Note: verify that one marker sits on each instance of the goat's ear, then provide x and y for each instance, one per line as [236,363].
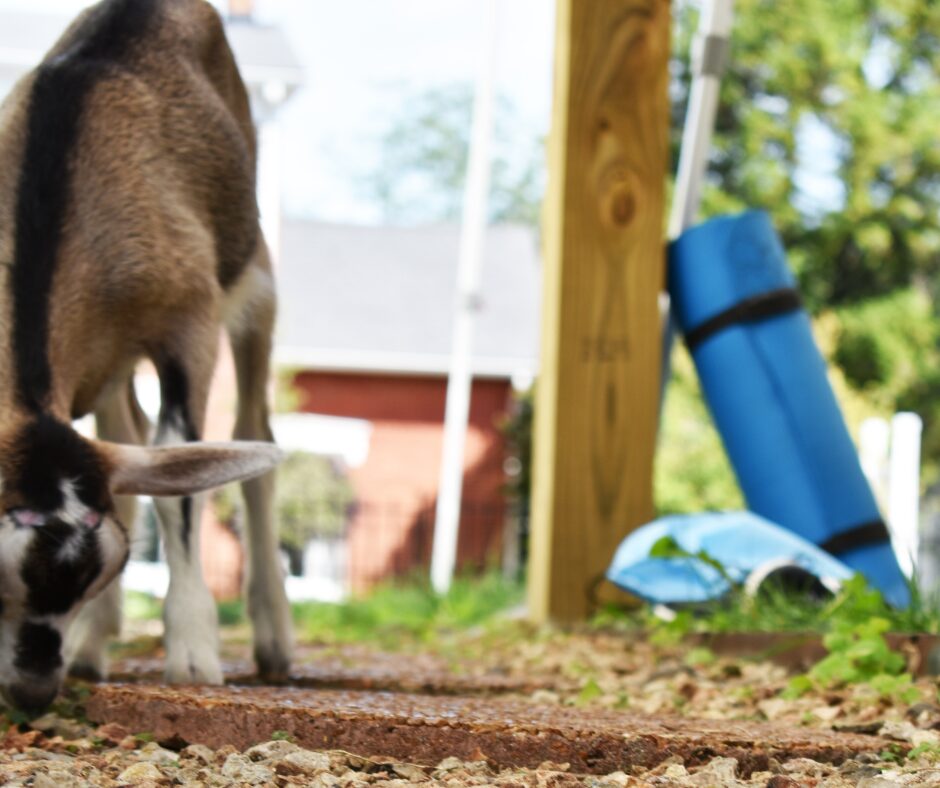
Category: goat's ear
[187,468]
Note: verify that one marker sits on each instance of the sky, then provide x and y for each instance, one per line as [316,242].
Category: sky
[363,59]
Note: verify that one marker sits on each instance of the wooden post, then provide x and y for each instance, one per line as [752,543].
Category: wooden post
[598,388]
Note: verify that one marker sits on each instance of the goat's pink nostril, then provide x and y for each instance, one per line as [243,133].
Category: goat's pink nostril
[92,519]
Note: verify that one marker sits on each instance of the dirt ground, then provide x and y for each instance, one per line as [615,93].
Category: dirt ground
[587,670]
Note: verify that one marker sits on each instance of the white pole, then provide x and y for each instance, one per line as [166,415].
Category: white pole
[472,231]
[874,438]
[904,488]
[709,56]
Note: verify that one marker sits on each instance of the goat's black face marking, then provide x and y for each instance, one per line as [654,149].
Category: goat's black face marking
[62,562]
[52,453]
[58,96]
[38,649]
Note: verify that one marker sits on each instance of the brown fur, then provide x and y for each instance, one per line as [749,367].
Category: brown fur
[165,154]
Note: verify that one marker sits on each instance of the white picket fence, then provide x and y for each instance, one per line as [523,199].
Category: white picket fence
[890,456]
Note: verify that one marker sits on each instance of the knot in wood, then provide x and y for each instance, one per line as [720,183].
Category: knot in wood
[618,196]
[622,207]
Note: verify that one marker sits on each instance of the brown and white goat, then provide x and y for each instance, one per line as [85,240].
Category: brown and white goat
[128,230]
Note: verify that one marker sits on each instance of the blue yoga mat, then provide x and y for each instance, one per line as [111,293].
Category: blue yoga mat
[766,386]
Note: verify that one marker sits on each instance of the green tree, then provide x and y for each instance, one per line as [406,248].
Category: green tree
[423,161]
[313,498]
[851,84]
[828,120]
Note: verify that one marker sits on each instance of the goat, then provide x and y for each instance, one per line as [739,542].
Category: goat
[128,231]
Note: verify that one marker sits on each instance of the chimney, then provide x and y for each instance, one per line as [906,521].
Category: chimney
[241,9]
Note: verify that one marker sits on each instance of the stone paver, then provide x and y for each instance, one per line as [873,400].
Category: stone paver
[425,729]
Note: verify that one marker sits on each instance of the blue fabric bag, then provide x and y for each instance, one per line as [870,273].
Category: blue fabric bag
[742,542]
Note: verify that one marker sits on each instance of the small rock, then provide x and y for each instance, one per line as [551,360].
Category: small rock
[271,749]
[718,771]
[807,766]
[856,769]
[449,764]
[208,776]
[618,779]
[45,781]
[128,743]
[884,781]
[302,762]
[111,732]
[546,696]
[36,754]
[675,771]
[197,752]
[53,725]
[242,769]
[826,713]
[782,781]
[410,772]
[223,753]
[772,708]
[660,768]
[924,715]
[904,731]
[140,772]
[154,753]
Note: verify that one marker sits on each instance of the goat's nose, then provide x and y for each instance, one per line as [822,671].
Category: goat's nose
[33,698]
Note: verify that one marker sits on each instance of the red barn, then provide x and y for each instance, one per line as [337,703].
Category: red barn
[364,330]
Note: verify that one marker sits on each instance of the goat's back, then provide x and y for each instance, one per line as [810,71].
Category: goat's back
[127,190]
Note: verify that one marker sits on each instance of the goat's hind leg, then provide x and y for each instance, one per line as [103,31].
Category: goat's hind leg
[121,420]
[250,333]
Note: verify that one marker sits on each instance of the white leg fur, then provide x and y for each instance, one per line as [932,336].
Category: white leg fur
[190,618]
[250,334]
[86,644]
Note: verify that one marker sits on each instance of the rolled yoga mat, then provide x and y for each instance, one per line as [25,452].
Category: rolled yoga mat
[766,386]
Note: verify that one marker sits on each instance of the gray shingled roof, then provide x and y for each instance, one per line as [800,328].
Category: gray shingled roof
[382,299]
[263,52]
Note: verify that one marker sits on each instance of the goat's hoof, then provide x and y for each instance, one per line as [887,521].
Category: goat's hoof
[87,672]
[191,666]
[273,667]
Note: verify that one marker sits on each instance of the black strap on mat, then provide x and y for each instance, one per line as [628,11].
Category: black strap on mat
[875,532]
[759,307]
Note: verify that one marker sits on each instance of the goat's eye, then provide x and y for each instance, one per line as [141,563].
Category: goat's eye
[28,518]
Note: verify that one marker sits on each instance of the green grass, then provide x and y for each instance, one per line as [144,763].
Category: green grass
[408,609]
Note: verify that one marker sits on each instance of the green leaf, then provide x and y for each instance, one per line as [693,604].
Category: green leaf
[590,691]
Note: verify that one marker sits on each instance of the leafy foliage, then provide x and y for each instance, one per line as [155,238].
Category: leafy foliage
[692,472]
[859,654]
[777,610]
[313,498]
[424,154]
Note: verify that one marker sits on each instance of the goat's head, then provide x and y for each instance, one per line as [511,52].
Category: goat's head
[61,542]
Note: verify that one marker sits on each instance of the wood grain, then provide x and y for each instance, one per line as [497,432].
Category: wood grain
[598,389]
